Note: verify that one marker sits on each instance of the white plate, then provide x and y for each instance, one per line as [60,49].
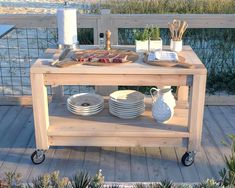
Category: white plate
[126,105]
[85,100]
[79,108]
[85,113]
[126,113]
[124,117]
[135,110]
[127,96]
[84,110]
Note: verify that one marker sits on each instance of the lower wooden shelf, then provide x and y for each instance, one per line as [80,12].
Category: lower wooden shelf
[104,129]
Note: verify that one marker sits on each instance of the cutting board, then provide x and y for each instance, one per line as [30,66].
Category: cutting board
[73,55]
[164,63]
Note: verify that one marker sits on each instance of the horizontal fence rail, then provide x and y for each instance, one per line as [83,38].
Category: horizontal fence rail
[101,22]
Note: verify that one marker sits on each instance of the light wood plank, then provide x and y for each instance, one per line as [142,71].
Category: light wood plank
[75,162]
[216,132]
[170,164]
[213,154]
[183,93]
[92,160]
[154,163]
[139,171]
[25,166]
[40,110]
[15,141]
[107,163]
[220,100]
[196,111]
[203,166]
[123,20]
[229,115]
[122,165]
[116,79]
[116,141]
[222,122]
[59,161]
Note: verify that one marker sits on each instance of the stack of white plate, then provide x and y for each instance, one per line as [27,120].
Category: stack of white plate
[126,104]
[85,104]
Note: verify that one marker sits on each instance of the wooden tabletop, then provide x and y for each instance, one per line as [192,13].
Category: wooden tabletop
[42,65]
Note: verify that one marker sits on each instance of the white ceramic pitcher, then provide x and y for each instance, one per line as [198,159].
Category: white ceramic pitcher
[163,104]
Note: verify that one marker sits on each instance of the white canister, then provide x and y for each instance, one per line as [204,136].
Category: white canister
[67,26]
[176,46]
[155,45]
[141,46]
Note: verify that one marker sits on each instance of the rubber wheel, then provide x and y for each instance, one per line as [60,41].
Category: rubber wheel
[187,160]
[37,160]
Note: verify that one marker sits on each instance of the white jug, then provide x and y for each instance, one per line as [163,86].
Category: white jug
[163,104]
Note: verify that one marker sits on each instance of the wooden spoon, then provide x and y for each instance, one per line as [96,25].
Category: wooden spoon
[182,29]
[171,27]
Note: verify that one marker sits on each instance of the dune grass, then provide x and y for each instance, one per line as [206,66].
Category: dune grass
[169,6]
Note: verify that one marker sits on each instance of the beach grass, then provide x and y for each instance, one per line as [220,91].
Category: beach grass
[169,6]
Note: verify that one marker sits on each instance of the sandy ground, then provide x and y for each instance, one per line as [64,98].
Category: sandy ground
[40,6]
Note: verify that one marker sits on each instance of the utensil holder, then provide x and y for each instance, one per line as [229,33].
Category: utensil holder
[176,46]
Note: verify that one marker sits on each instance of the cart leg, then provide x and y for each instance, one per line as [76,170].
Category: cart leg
[38,156]
[188,158]
[182,93]
[197,98]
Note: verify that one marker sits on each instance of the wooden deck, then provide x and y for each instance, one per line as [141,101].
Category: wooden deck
[118,164]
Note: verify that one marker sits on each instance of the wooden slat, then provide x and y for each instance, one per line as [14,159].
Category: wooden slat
[196,111]
[220,100]
[92,160]
[64,123]
[154,162]
[40,106]
[170,164]
[75,161]
[125,20]
[116,141]
[107,163]
[24,166]
[122,164]
[15,140]
[119,79]
[60,159]
[139,171]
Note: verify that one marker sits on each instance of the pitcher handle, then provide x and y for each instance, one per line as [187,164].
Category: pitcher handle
[151,92]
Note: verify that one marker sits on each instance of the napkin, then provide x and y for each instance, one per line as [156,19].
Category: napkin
[163,56]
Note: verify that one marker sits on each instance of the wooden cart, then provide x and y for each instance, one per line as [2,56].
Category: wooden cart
[56,126]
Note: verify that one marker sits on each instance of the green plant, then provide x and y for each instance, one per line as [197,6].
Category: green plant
[51,180]
[81,180]
[142,35]
[13,179]
[98,180]
[209,183]
[154,33]
[185,186]
[166,183]
[140,185]
[228,174]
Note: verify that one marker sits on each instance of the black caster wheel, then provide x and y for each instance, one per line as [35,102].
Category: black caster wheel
[38,157]
[188,158]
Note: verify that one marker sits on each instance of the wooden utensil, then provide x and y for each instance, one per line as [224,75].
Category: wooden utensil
[182,29]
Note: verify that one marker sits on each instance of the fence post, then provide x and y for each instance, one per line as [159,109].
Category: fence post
[106,23]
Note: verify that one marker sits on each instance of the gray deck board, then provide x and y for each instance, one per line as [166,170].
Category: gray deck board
[117,164]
